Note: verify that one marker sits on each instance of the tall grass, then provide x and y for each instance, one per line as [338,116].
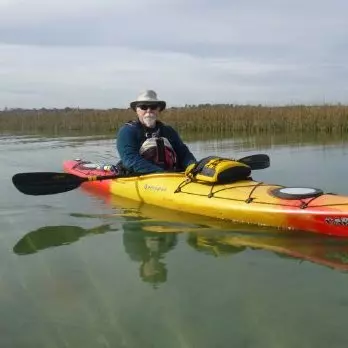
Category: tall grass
[214,119]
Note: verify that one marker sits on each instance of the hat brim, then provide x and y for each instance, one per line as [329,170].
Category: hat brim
[161,103]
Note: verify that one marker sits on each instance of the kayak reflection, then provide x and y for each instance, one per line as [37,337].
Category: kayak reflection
[331,252]
[218,237]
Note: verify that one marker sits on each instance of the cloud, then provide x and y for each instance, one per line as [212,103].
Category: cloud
[100,53]
[106,22]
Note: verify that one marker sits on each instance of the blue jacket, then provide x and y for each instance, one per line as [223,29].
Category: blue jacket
[131,136]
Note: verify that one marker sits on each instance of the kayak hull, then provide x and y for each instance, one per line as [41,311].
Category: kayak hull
[244,201]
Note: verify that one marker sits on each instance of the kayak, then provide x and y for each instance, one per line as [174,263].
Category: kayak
[244,201]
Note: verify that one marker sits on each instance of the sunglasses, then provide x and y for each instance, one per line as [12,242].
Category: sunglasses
[148,106]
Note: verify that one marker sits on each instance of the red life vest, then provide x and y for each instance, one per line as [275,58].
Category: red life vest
[159,151]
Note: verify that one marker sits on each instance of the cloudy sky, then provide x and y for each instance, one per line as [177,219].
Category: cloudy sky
[102,53]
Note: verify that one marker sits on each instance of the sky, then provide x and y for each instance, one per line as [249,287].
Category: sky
[103,53]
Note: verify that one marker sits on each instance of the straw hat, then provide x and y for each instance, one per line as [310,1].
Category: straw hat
[148,97]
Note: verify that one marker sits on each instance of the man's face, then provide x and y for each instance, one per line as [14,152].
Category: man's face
[147,114]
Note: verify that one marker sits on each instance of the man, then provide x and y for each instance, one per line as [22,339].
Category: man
[147,145]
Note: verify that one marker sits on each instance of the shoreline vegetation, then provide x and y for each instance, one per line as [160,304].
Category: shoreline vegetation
[217,120]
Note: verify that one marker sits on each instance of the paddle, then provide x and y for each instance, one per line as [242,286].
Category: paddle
[49,183]
[256,162]
[54,236]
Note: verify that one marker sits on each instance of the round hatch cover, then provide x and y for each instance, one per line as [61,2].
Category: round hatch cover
[296,192]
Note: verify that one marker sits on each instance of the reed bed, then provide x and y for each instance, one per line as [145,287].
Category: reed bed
[202,119]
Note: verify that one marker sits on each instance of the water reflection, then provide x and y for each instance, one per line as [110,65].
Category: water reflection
[144,247]
[149,250]
[149,233]
[293,139]
[54,236]
[222,141]
[219,237]
[330,252]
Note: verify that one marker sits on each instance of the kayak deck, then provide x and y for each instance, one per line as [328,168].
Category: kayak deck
[244,201]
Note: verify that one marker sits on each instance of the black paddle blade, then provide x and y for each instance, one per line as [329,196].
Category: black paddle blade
[255,162]
[46,183]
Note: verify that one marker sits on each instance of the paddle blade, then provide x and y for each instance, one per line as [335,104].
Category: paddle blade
[255,162]
[46,183]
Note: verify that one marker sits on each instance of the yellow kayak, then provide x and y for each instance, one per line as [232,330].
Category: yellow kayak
[245,201]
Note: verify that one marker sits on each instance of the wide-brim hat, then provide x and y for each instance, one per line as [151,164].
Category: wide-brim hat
[148,97]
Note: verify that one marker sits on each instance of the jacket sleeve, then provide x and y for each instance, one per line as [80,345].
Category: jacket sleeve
[184,154]
[128,146]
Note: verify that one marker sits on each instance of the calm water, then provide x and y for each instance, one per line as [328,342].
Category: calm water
[79,270]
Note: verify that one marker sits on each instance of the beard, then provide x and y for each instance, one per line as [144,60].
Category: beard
[149,120]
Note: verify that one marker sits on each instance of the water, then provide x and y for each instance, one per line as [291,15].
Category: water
[78,270]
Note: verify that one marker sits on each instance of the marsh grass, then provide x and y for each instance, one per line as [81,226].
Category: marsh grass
[203,119]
